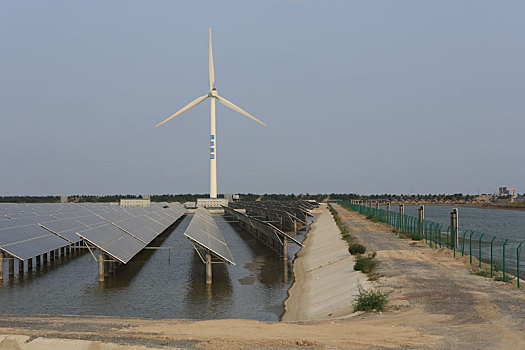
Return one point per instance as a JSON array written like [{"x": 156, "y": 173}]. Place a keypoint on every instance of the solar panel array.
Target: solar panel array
[
  {"x": 29, "y": 230},
  {"x": 203, "y": 231},
  {"x": 127, "y": 232}
]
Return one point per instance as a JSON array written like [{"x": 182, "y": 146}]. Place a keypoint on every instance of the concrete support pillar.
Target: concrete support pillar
[
  {"x": 294, "y": 227},
  {"x": 20, "y": 267},
  {"x": 44, "y": 257},
  {"x": 29, "y": 264},
  {"x": 100, "y": 266},
  {"x": 388, "y": 212},
  {"x": 11, "y": 267},
  {"x": 454, "y": 229},
  {"x": 401, "y": 214},
  {"x": 285, "y": 249},
  {"x": 38, "y": 261},
  {"x": 208, "y": 268},
  {"x": 62, "y": 252},
  {"x": 52, "y": 255}
]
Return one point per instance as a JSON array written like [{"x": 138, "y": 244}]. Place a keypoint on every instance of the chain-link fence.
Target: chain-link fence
[{"x": 494, "y": 256}]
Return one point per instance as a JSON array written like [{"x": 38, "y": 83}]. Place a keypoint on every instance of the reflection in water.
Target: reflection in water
[
  {"x": 125, "y": 273},
  {"x": 153, "y": 286},
  {"x": 208, "y": 301}
]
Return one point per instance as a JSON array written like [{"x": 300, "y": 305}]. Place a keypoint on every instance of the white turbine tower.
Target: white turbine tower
[{"x": 212, "y": 94}]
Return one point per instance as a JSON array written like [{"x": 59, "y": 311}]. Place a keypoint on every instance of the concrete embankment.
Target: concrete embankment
[{"x": 325, "y": 281}]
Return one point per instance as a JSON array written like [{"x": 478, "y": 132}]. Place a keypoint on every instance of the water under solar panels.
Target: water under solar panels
[
  {"x": 204, "y": 231},
  {"x": 28, "y": 241}
]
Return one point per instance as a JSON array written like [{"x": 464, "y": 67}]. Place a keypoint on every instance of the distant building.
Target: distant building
[
  {"x": 190, "y": 205},
  {"x": 505, "y": 191},
  {"x": 63, "y": 198},
  {"x": 212, "y": 202},
  {"x": 135, "y": 203},
  {"x": 146, "y": 196}
]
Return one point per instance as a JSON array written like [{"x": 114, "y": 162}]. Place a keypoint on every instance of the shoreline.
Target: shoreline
[
  {"x": 466, "y": 205},
  {"x": 325, "y": 282}
]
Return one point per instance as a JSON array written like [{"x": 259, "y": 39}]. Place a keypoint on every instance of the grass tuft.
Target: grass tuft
[
  {"x": 369, "y": 300},
  {"x": 356, "y": 248},
  {"x": 366, "y": 263}
]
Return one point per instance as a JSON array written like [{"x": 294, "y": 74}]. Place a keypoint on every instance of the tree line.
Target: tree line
[{"x": 189, "y": 197}]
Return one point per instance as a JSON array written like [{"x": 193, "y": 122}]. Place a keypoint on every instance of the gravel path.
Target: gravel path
[{"x": 477, "y": 312}]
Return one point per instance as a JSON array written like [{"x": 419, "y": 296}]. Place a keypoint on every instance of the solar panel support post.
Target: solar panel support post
[
  {"x": 294, "y": 227},
  {"x": 285, "y": 250},
  {"x": 20, "y": 267},
  {"x": 100, "y": 266},
  {"x": 208, "y": 268},
  {"x": 38, "y": 261},
  {"x": 11, "y": 267},
  {"x": 1, "y": 266},
  {"x": 29, "y": 264},
  {"x": 44, "y": 257}
]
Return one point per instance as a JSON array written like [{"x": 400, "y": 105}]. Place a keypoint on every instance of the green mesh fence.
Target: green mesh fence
[{"x": 494, "y": 255}]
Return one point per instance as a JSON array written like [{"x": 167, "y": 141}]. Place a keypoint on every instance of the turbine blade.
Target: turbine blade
[
  {"x": 238, "y": 109},
  {"x": 184, "y": 109},
  {"x": 211, "y": 71}
]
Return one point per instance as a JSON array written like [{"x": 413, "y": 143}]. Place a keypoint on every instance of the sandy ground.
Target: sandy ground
[
  {"x": 436, "y": 303},
  {"x": 325, "y": 281}
]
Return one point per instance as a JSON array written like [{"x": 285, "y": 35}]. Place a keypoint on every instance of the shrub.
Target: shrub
[
  {"x": 356, "y": 248},
  {"x": 483, "y": 273},
  {"x": 508, "y": 277},
  {"x": 366, "y": 263},
  {"x": 368, "y": 300}
]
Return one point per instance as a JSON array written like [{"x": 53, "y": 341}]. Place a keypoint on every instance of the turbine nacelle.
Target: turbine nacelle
[{"x": 213, "y": 93}]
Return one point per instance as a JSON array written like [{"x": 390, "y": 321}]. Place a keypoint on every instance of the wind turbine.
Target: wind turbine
[{"x": 212, "y": 94}]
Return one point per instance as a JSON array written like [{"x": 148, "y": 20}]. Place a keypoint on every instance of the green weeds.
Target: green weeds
[{"x": 370, "y": 300}]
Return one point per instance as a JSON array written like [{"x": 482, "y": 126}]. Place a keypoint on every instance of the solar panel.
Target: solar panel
[
  {"x": 203, "y": 231},
  {"x": 24, "y": 221},
  {"x": 28, "y": 230},
  {"x": 28, "y": 241},
  {"x": 114, "y": 241},
  {"x": 66, "y": 228}
]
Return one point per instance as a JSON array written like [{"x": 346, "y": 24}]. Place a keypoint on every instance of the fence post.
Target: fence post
[
  {"x": 388, "y": 212},
  {"x": 401, "y": 213},
  {"x": 518, "y": 262},
  {"x": 504, "y": 244},
  {"x": 421, "y": 215},
  {"x": 454, "y": 228},
  {"x": 470, "y": 245},
  {"x": 491, "y": 250},
  {"x": 480, "y": 237}
]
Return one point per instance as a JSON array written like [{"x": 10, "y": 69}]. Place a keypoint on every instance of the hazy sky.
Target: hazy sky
[{"x": 359, "y": 96}]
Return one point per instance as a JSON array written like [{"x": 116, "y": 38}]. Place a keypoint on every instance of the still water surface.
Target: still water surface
[
  {"x": 154, "y": 287},
  {"x": 494, "y": 222}
]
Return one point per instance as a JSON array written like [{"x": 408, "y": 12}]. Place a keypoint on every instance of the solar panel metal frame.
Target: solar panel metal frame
[
  {"x": 203, "y": 223},
  {"x": 11, "y": 243}
]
